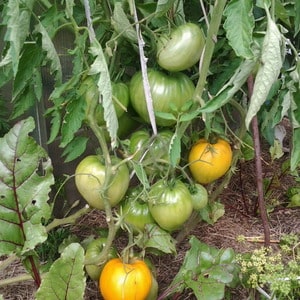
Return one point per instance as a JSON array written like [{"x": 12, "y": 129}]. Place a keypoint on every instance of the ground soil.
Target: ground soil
[{"x": 240, "y": 219}]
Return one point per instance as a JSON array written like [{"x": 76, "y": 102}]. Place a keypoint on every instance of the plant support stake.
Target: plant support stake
[{"x": 258, "y": 166}]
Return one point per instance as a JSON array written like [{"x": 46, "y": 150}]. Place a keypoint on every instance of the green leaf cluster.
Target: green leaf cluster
[{"x": 206, "y": 271}]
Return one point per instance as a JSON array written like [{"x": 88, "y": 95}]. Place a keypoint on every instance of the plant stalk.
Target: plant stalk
[
  {"x": 258, "y": 165},
  {"x": 207, "y": 53}
]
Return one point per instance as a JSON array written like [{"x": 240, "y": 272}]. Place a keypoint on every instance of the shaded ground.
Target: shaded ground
[{"x": 239, "y": 220}]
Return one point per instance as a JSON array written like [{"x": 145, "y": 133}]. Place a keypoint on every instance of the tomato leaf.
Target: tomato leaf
[
  {"x": 271, "y": 63},
  {"x": 121, "y": 23},
  {"x": 231, "y": 87},
  {"x": 52, "y": 55},
  {"x": 212, "y": 212},
  {"x": 75, "y": 113},
  {"x": 75, "y": 148},
  {"x": 65, "y": 279},
  {"x": 25, "y": 180},
  {"x": 163, "y": 6},
  {"x": 99, "y": 66},
  {"x": 17, "y": 19},
  {"x": 156, "y": 238},
  {"x": 239, "y": 26}
]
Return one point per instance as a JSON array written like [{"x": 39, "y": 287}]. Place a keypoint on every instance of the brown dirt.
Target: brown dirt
[{"x": 239, "y": 199}]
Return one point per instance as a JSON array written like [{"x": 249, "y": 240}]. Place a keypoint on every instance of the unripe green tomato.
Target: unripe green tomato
[
  {"x": 199, "y": 196},
  {"x": 170, "y": 204},
  {"x": 90, "y": 176},
  {"x": 93, "y": 250},
  {"x": 153, "y": 154},
  {"x": 169, "y": 93},
  {"x": 120, "y": 97},
  {"x": 135, "y": 210},
  {"x": 181, "y": 49}
]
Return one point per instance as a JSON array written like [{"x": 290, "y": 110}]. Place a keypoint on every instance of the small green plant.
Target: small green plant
[{"x": 274, "y": 274}]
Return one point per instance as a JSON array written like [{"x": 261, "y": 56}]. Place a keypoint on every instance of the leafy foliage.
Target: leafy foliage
[
  {"x": 206, "y": 271},
  {"x": 65, "y": 279},
  {"x": 25, "y": 180}
]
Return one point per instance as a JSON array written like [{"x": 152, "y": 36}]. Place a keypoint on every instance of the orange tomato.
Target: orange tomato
[
  {"x": 208, "y": 162},
  {"x": 125, "y": 281}
]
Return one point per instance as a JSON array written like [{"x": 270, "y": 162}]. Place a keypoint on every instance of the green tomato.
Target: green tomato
[
  {"x": 120, "y": 97},
  {"x": 199, "y": 196},
  {"x": 152, "y": 153},
  {"x": 93, "y": 250},
  {"x": 90, "y": 176},
  {"x": 181, "y": 49},
  {"x": 135, "y": 210},
  {"x": 170, "y": 204},
  {"x": 169, "y": 93}
]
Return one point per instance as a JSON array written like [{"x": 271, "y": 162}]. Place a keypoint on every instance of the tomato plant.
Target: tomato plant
[
  {"x": 169, "y": 94},
  {"x": 135, "y": 210},
  {"x": 170, "y": 204},
  {"x": 125, "y": 281},
  {"x": 209, "y": 161},
  {"x": 89, "y": 178},
  {"x": 199, "y": 196},
  {"x": 152, "y": 153},
  {"x": 181, "y": 49},
  {"x": 93, "y": 249}
]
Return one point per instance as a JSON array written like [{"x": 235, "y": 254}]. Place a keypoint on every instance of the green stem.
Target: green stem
[
  {"x": 209, "y": 49},
  {"x": 16, "y": 279},
  {"x": 68, "y": 220},
  {"x": 8, "y": 261}
]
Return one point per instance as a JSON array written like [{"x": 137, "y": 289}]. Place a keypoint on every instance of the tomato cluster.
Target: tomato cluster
[{"x": 165, "y": 200}]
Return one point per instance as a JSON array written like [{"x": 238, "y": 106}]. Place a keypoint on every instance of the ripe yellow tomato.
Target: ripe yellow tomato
[
  {"x": 208, "y": 162},
  {"x": 125, "y": 281}
]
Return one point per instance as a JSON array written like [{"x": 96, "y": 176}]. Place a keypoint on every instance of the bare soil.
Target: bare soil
[{"x": 240, "y": 219}]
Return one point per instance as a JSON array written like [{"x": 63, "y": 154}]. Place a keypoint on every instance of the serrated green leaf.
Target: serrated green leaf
[
  {"x": 65, "y": 279},
  {"x": 52, "y": 55},
  {"x": 156, "y": 238},
  {"x": 271, "y": 63},
  {"x": 212, "y": 212},
  {"x": 75, "y": 148},
  {"x": 23, "y": 190},
  {"x": 121, "y": 23},
  {"x": 141, "y": 174},
  {"x": 163, "y": 6},
  {"x": 99, "y": 66},
  {"x": 74, "y": 115},
  {"x": 239, "y": 26},
  {"x": 22, "y": 104},
  {"x": 231, "y": 87},
  {"x": 31, "y": 57},
  {"x": 17, "y": 19}
]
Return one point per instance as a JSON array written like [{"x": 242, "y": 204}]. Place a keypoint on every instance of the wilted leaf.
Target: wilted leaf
[
  {"x": 122, "y": 24},
  {"x": 65, "y": 279},
  {"x": 99, "y": 66},
  {"x": 25, "y": 180},
  {"x": 271, "y": 63}
]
